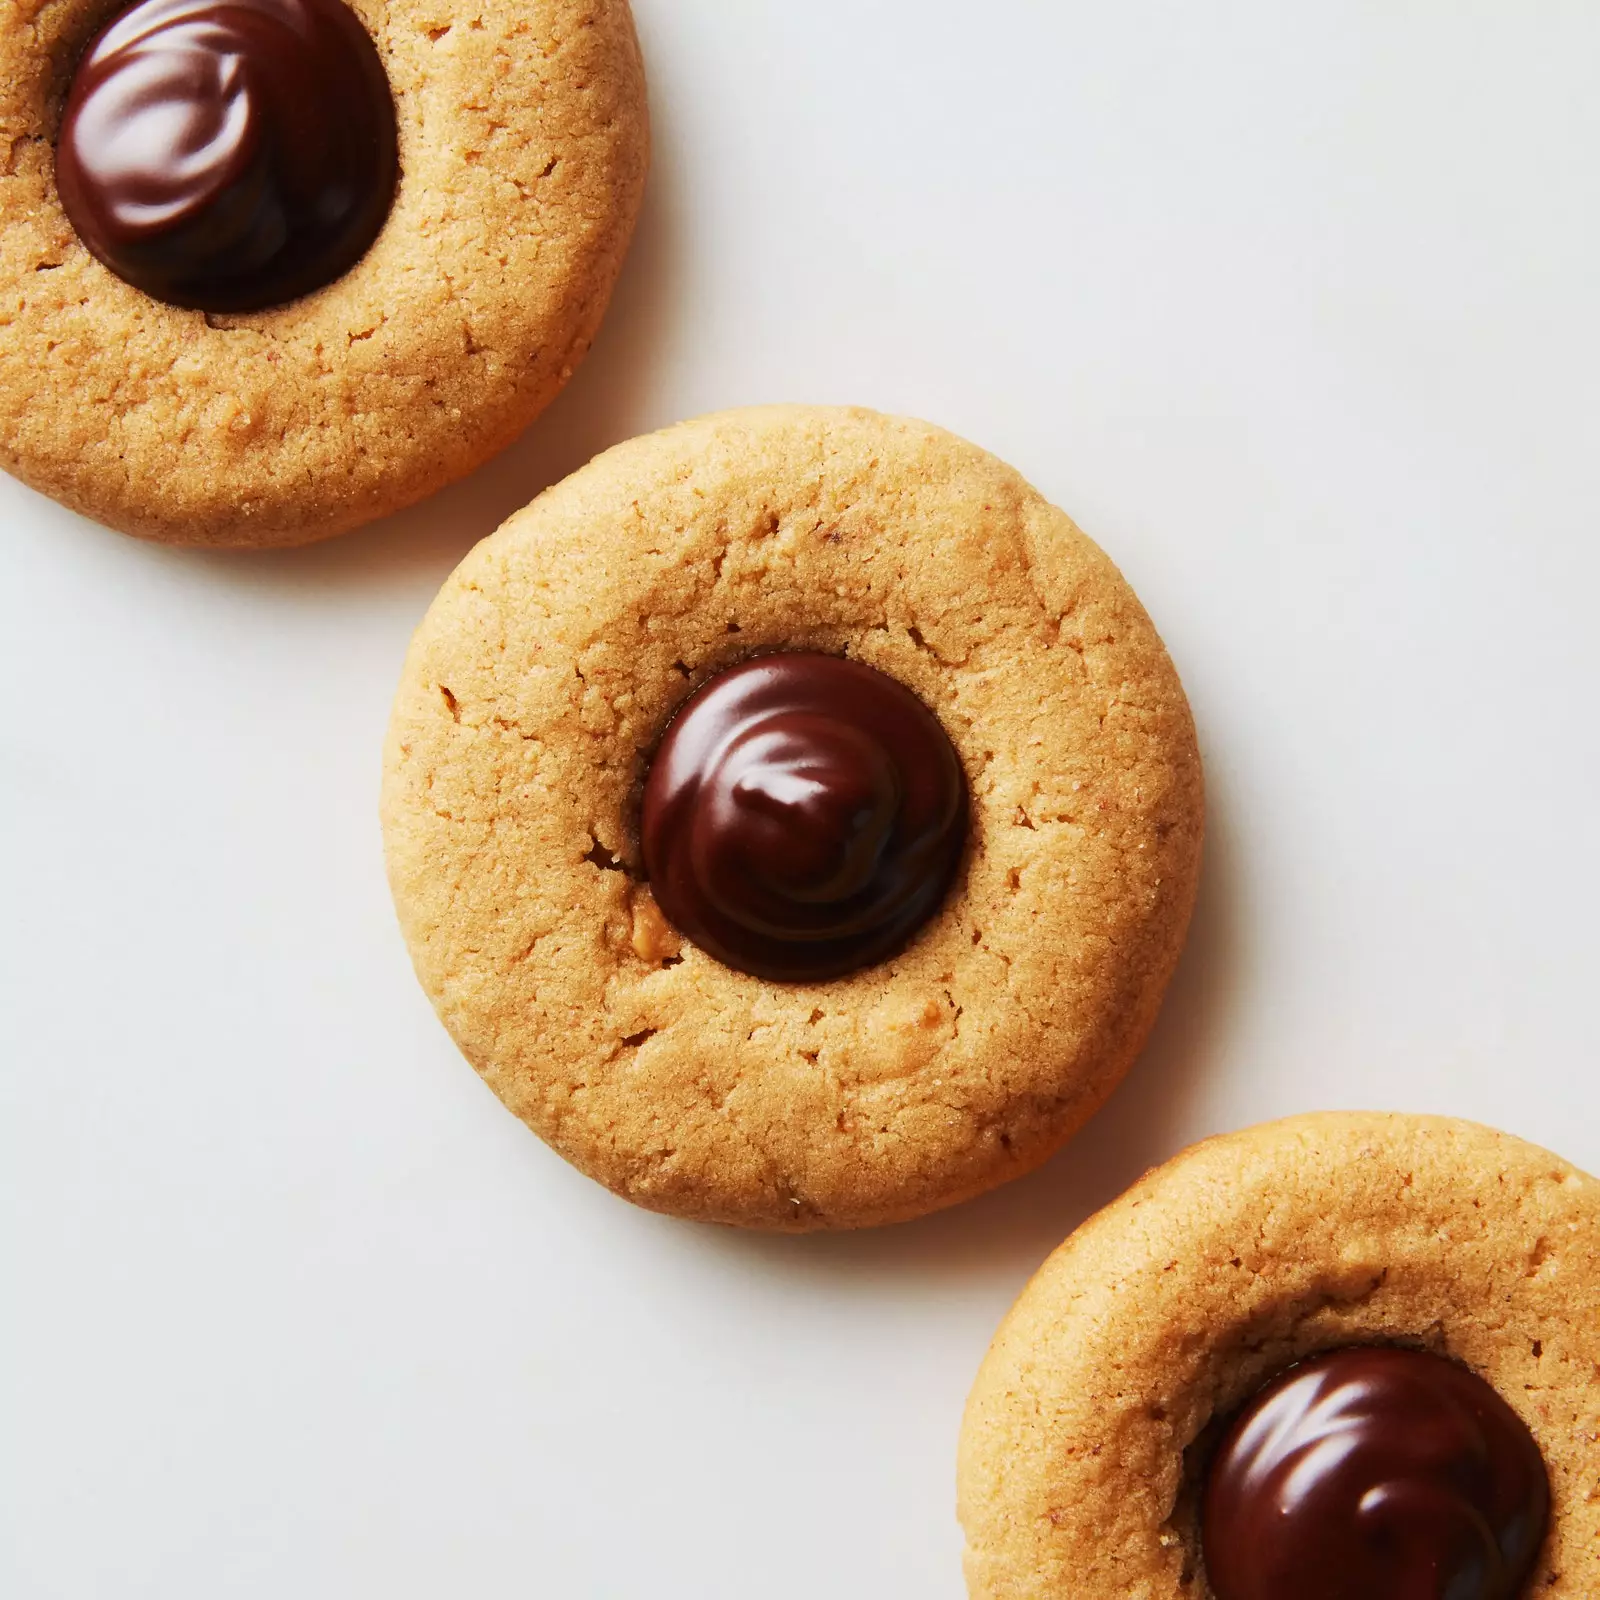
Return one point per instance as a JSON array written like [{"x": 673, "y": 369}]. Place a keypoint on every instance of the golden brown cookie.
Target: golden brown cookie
[
  {"x": 536, "y": 691},
  {"x": 523, "y": 143},
  {"x": 1088, "y": 1433}
]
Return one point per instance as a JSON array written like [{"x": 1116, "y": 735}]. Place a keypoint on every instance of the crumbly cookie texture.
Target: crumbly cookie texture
[
  {"x": 543, "y": 677},
  {"x": 523, "y": 145},
  {"x": 1086, "y": 1432}
]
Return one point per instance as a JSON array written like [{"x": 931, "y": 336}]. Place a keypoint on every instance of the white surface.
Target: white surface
[{"x": 1294, "y": 308}]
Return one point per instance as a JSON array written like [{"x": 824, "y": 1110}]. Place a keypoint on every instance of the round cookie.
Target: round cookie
[
  {"x": 523, "y": 141},
  {"x": 1089, "y": 1430},
  {"x": 536, "y": 692}
]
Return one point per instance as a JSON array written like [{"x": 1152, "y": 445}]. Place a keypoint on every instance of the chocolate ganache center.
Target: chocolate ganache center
[
  {"x": 1374, "y": 1472},
  {"x": 803, "y": 817},
  {"x": 226, "y": 155}
]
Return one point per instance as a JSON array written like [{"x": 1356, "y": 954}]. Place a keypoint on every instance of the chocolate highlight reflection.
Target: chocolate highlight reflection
[
  {"x": 226, "y": 155},
  {"x": 1375, "y": 1472},
  {"x": 803, "y": 817}
]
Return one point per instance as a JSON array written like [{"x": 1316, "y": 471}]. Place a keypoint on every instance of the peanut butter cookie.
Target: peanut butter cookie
[
  {"x": 272, "y": 268},
  {"x": 1339, "y": 1354},
  {"x": 794, "y": 818}
]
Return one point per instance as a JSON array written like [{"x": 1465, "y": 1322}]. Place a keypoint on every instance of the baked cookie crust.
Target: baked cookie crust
[
  {"x": 523, "y": 146},
  {"x": 540, "y": 683},
  {"x": 1087, "y": 1430}
]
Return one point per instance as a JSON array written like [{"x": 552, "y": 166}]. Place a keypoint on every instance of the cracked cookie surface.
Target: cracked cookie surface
[
  {"x": 523, "y": 144},
  {"x": 1088, "y": 1428},
  {"x": 536, "y": 691}
]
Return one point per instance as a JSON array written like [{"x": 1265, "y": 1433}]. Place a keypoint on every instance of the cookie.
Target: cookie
[
  {"x": 905, "y": 1047},
  {"x": 257, "y": 333},
  {"x": 1320, "y": 1341}
]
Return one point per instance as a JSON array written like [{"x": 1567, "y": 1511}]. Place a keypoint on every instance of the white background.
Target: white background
[{"x": 1294, "y": 309}]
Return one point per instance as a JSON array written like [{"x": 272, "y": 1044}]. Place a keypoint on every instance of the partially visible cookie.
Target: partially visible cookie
[
  {"x": 1092, "y": 1427},
  {"x": 523, "y": 141},
  {"x": 755, "y": 1086}
]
